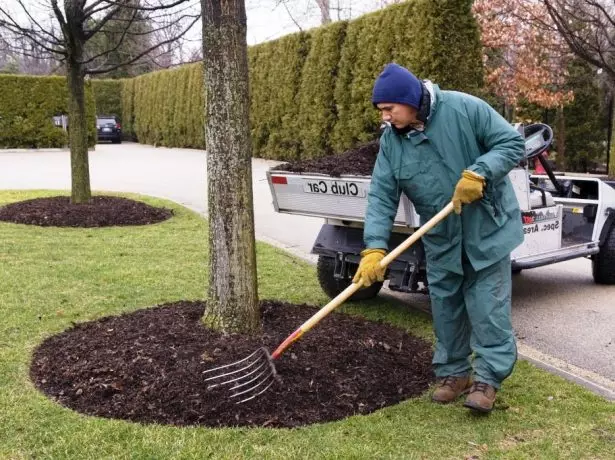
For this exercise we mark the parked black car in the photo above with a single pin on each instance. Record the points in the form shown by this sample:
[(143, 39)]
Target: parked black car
[(108, 128)]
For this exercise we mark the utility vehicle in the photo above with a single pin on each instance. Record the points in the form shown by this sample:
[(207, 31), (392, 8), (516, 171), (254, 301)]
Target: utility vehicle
[(564, 217)]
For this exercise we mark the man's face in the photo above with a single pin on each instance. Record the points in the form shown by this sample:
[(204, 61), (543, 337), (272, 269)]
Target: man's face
[(399, 115)]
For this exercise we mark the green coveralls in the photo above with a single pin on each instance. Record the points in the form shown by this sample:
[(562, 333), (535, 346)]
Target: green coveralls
[(468, 255)]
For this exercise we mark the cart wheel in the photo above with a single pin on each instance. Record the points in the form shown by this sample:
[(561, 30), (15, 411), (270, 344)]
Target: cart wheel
[(603, 263), (332, 287)]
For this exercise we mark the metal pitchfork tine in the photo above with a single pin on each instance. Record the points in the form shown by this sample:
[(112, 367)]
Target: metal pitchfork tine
[(253, 375)]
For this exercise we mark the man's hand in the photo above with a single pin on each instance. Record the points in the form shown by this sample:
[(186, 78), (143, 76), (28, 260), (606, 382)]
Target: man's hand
[(369, 269), (469, 188)]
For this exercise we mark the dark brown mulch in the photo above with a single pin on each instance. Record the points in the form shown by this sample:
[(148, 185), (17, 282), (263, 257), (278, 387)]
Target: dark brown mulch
[(358, 161), (147, 367), (102, 211)]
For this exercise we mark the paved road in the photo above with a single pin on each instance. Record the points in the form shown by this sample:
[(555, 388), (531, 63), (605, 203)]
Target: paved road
[(563, 321)]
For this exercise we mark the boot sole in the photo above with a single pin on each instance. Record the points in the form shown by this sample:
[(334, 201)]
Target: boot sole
[(482, 410)]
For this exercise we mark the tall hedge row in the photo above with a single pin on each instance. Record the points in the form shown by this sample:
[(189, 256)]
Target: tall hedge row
[(448, 47), (317, 109), (27, 107), (310, 91), (276, 79), (165, 107)]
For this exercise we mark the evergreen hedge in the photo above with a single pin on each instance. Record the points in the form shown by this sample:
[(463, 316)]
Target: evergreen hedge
[(274, 96), (166, 107), (27, 107), (108, 96), (317, 109), (310, 91)]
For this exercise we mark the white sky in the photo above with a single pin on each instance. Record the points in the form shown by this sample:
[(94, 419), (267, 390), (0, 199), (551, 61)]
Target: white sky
[(267, 21)]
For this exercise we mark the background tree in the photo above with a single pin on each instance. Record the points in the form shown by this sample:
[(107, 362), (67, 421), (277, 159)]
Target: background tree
[(525, 59), (122, 38), (66, 36), (586, 119), (232, 301), (588, 27)]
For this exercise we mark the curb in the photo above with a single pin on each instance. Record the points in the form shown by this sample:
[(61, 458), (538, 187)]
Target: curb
[(588, 379)]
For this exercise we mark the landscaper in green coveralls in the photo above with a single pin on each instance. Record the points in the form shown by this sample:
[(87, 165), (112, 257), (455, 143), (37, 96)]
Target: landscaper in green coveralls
[(443, 145)]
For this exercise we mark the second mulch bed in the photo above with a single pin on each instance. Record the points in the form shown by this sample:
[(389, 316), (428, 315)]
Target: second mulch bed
[(147, 366), (101, 211)]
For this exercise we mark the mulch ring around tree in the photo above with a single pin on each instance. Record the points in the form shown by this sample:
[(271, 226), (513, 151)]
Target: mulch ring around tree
[(148, 366), (101, 211), (358, 161)]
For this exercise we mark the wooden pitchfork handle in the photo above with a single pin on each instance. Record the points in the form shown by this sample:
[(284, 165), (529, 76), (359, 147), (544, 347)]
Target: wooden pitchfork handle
[(354, 287)]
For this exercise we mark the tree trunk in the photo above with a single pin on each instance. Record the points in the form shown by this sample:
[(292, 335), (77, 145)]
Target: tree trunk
[(77, 121), (509, 112), (232, 301), (560, 138), (325, 11)]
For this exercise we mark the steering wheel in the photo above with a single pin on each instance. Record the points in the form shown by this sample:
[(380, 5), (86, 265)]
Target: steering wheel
[(538, 138)]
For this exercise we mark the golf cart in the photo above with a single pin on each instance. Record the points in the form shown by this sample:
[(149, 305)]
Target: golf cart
[(564, 217)]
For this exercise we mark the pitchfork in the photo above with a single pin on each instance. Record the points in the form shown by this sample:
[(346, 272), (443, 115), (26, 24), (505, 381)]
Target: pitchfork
[(254, 374)]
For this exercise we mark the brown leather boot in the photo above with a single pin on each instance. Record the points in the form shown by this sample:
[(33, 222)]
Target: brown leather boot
[(449, 388), (481, 397)]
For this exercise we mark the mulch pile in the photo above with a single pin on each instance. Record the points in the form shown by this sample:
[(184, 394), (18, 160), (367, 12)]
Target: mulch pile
[(147, 366), (102, 211), (358, 161)]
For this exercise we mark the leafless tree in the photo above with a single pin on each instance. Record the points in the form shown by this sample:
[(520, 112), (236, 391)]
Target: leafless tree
[(588, 27), (65, 31)]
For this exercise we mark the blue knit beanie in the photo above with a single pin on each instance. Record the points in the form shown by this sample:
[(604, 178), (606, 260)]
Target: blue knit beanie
[(396, 84)]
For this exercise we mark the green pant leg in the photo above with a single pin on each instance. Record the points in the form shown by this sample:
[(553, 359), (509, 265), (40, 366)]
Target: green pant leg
[(488, 304), (450, 322)]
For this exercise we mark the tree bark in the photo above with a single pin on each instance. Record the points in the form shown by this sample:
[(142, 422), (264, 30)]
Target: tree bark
[(78, 135), (325, 11), (77, 120), (232, 301)]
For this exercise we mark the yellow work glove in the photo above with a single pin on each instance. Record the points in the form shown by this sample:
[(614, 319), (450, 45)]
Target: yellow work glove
[(369, 268), (469, 188)]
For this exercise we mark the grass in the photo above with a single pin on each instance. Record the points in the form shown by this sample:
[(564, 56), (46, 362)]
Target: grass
[(52, 277)]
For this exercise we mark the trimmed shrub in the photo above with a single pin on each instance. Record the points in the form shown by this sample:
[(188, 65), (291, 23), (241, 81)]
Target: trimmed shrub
[(317, 110), (27, 107), (166, 107), (275, 101), (108, 96)]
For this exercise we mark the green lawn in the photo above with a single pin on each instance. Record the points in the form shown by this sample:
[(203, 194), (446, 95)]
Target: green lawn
[(52, 277)]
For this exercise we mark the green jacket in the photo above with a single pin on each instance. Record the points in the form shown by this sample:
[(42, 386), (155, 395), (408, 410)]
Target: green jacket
[(462, 132)]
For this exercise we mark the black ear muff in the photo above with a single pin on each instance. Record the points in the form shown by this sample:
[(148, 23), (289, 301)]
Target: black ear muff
[(425, 107)]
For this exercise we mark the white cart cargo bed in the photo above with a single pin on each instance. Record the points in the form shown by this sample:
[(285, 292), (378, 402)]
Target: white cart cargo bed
[(320, 195)]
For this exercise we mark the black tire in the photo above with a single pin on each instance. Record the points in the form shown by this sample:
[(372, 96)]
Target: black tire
[(332, 287), (603, 263)]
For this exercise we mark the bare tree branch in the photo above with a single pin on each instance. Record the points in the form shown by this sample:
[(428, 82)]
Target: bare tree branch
[(588, 27), (140, 55)]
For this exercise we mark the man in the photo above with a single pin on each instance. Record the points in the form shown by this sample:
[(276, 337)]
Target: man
[(443, 145)]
